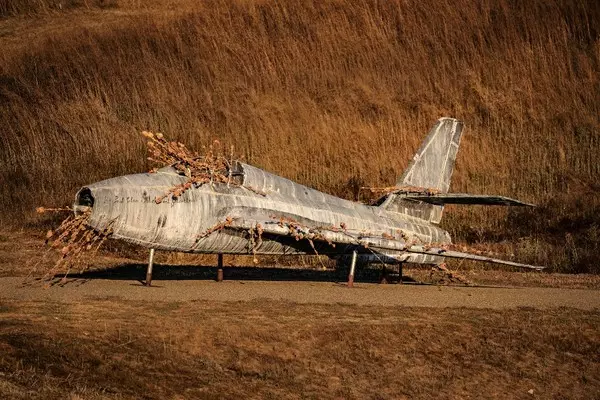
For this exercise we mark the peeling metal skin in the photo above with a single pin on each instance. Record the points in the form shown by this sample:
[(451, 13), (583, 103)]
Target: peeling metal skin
[(397, 230)]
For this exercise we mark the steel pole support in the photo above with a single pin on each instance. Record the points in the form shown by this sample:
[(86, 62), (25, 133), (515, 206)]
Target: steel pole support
[(220, 268), (149, 270), (400, 272), (352, 268), (383, 278)]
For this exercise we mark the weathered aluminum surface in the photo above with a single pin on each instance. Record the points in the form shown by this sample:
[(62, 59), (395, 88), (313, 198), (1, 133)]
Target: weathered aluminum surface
[(394, 231), (128, 205), (431, 167), (387, 249), (465, 198)]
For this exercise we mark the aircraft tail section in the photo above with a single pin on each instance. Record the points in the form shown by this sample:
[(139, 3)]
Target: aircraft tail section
[(432, 165), (429, 171)]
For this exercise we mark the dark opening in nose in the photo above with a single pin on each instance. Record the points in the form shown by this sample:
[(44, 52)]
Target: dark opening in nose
[(84, 200)]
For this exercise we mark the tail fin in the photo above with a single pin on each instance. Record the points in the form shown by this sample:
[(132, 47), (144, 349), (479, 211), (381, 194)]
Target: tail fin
[(433, 164), (430, 169)]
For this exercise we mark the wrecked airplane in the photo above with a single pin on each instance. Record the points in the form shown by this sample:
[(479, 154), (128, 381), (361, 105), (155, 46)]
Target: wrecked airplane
[(257, 212)]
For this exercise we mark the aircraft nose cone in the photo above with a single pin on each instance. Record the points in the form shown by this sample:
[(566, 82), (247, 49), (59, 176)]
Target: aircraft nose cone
[(84, 201), (125, 199)]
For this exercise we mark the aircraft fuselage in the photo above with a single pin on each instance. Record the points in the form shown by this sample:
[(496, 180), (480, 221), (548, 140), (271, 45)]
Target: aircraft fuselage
[(127, 204)]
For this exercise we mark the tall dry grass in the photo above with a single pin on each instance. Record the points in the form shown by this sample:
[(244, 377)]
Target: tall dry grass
[(334, 94), (11, 8)]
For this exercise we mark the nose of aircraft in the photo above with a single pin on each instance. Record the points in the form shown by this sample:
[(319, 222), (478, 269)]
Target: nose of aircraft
[(127, 206), (84, 201), (137, 187), (124, 196)]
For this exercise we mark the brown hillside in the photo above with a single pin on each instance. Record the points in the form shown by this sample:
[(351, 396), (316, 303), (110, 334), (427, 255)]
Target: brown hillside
[(334, 94)]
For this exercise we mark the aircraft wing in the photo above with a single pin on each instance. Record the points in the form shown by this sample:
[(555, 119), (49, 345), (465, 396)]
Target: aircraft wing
[(378, 243), (468, 256), (441, 199)]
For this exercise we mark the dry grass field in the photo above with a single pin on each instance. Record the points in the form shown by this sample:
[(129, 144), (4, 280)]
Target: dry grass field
[(334, 94), (107, 349)]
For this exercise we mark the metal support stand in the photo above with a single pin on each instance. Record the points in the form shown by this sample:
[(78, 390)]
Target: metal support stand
[(149, 270), (220, 268), (383, 279), (352, 268), (400, 273)]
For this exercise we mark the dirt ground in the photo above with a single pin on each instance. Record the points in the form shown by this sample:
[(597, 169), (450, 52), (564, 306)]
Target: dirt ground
[(109, 348), (362, 294), (291, 333)]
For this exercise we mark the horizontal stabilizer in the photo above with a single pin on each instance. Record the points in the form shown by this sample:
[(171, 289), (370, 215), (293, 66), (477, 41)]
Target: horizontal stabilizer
[(441, 199)]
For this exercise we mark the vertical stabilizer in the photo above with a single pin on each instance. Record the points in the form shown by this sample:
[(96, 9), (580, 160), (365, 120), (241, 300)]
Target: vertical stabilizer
[(431, 168)]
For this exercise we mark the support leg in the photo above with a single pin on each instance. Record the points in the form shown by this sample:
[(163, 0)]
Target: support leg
[(383, 279), (220, 268), (149, 270), (400, 273), (352, 268)]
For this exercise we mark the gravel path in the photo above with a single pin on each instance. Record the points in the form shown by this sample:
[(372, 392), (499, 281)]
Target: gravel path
[(305, 292)]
